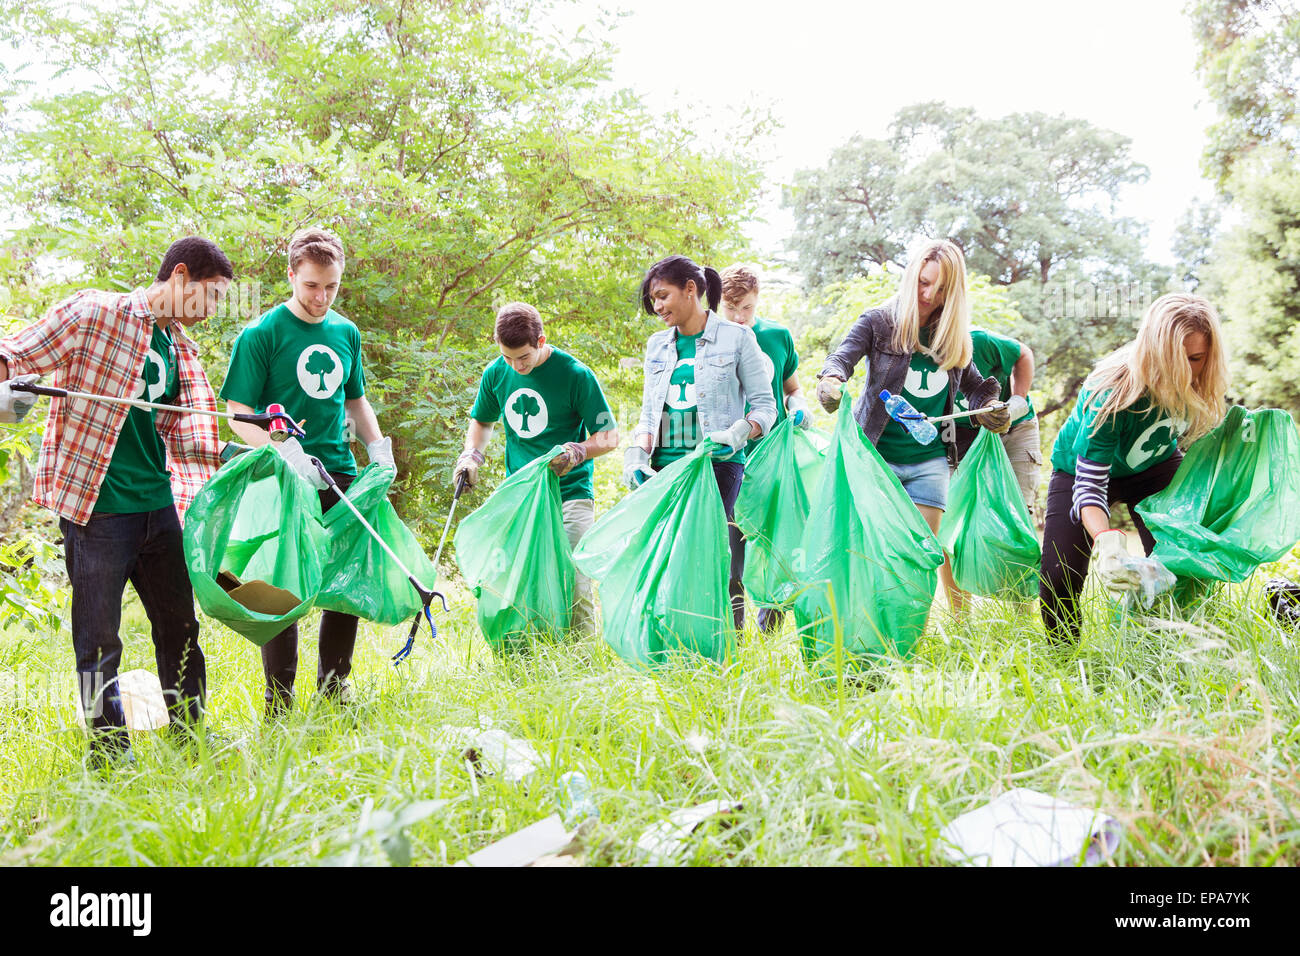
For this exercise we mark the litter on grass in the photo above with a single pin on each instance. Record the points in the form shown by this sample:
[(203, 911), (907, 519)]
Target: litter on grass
[(1026, 828), (143, 704), (491, 751), (538, 842), (665, 839)]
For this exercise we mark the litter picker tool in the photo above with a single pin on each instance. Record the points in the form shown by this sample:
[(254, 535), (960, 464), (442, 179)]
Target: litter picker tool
[(460, 489), (274, 419), (426, 595), (990, 407)]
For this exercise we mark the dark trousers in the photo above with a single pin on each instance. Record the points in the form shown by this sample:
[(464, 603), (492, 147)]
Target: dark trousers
[(769, 618), (1067, 548), (729, 475), (338, 638), (101, 556)]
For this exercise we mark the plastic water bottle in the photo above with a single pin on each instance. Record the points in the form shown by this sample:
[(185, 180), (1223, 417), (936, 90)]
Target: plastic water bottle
[(901, 411), (575, 800)]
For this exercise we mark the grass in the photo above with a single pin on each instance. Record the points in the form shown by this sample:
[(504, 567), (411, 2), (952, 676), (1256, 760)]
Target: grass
[(1187, 732)]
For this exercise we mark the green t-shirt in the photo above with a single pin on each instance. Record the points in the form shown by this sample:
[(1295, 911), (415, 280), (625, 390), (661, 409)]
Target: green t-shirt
[(777, 346), (311, 368), (681, 424), (927, 389), (994, 354), (556, 402), (137, 478), (1136, 439)]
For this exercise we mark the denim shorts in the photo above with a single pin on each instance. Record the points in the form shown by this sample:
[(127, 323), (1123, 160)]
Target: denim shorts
[(926, 482)]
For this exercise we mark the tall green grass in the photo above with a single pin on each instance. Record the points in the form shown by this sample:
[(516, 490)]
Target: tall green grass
[(1186, 731)]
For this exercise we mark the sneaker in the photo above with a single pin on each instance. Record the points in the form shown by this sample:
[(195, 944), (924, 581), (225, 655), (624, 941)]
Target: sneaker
[(340, 692)]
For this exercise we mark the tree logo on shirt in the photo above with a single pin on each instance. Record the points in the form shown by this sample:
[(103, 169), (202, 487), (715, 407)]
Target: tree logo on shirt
[(526, 413), (925, 382), (320, 371), (681, 386), (1158, 439), (152, 377)]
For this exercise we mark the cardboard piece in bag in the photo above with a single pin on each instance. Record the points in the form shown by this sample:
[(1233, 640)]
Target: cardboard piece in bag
[(258, 595)]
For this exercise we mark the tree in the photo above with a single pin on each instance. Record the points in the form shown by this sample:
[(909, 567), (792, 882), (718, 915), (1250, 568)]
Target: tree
[(467, 151), (525, 407), (319, 363), (1030, 198)]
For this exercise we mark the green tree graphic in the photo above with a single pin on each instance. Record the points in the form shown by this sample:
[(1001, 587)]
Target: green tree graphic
[(151, 375), (1159, 439), (320, 363), (925, 381), (525, 406)]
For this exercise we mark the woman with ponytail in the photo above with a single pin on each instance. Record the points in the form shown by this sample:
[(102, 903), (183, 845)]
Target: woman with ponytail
[(699, 373), (1121, 443)]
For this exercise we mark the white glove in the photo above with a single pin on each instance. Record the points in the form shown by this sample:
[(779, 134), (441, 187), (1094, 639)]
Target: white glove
[(1111, 552), (636, 466), (574, 454), (736, 437), (828, 392), (1017, 407), (797, 409), (381, 450), (301, 462), (467, 465), (14, 406)]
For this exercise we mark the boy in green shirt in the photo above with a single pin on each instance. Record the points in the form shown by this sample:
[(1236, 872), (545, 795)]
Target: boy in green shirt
[(740, 305), (547, 398), (307, 357)]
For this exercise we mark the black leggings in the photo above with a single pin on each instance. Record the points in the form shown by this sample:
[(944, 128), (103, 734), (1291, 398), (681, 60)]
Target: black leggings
[(729, 475), (1066, 548)]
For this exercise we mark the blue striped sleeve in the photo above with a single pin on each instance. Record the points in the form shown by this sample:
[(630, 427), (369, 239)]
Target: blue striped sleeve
[(1091, 484)]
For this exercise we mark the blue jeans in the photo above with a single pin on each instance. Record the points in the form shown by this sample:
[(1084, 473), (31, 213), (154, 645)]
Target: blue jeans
[(926, 482), (101, 556)]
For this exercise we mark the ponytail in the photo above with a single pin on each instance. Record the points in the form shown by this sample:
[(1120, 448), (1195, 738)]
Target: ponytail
[(679, 270)]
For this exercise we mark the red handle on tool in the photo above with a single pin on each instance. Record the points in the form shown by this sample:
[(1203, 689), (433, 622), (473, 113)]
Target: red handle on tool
[(279, 426)]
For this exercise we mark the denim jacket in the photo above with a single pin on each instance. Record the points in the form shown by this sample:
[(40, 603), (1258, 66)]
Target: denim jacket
[(729, 370), (871, 338)]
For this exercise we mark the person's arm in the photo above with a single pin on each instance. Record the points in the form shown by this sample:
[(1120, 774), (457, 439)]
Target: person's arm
[(791, 386), (44, 345), (477, 435), (254, 436), (857, 343), (1022, 373), (363, 416), (756, 384)]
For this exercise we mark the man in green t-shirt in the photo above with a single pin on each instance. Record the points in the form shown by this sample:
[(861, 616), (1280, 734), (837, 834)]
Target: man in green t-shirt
[(740, 305), (305, 356), (1012, 364), (547, 398)]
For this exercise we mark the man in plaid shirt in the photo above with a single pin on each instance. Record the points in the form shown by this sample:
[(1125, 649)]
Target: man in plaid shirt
[(120, 478)]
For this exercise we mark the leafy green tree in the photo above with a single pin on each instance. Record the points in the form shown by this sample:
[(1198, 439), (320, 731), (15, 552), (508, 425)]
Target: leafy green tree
[(1029, 197), (467, 151), (320, 363)]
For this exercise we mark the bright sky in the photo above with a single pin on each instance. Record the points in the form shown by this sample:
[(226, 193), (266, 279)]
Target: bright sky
[(831, 69)]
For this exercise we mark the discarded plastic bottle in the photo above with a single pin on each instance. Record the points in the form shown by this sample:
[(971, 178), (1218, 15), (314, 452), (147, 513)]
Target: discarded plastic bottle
[(901, 411), (574, 798)]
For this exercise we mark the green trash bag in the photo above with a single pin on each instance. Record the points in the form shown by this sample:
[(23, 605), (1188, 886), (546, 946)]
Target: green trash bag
[(987, 529), (1234, 502), (871, 561), (662, 559), (772, 509), (514, 554), (257, 525), (359, 577)]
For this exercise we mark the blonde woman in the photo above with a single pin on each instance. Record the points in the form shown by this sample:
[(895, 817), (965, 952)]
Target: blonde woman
[(916, 345), (1121, 443)]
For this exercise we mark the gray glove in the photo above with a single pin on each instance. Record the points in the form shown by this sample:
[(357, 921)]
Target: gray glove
[(14, 406), (828, 393), (636, 467), (797, 409), (1017, 407), (381, 450), (736, 437), (300, 462), (467, 465)]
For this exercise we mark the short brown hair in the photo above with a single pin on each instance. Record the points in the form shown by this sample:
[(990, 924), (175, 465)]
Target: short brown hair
[(518, 324), (738, 281), (315, 245)]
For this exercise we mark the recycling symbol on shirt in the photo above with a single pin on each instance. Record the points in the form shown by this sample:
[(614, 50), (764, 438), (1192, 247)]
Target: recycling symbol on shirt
[(320, 371), (153, 377), (1158, 439), (925, 382), (526, 413), (681, 387)]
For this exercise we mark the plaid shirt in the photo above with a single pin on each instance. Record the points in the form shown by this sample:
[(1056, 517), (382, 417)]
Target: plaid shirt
[(97, 342)]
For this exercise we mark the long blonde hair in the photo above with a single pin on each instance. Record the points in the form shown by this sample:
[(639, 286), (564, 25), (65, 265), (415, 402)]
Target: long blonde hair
[(1155, 364), (950, 344)]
